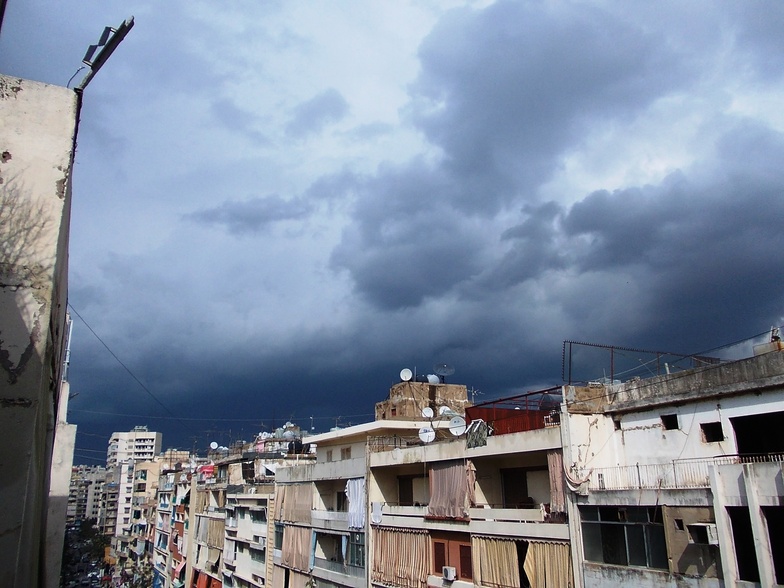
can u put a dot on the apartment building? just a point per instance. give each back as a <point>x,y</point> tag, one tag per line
<point>124,450</point>
<point>230,500</point>
<point>84,493</point>
<point>676,480</point>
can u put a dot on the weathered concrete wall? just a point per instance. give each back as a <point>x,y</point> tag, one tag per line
<point>36,155</point>
<point>753,374</point>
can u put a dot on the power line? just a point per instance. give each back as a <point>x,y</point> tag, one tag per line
<point>127,369</point>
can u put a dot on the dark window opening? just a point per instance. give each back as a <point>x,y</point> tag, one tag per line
<point>669,421</point>
<point>758,433</point>
<point>515,488</point>
<point>743,537</point>
<point>712,432</point>
<point>774,516</point>
<point>617,424</point>
<point>522,551</point>
<point>679,524</point>
<point>626,536</point>
<point>405,491</point>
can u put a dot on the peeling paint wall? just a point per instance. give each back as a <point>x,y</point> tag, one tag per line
<point>37,139</point>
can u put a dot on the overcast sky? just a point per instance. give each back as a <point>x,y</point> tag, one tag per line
<point>278,205</point>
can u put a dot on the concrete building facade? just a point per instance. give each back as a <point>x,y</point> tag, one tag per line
<point>37,141</point>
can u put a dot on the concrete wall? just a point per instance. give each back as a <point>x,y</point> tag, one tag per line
<point>37,138</point>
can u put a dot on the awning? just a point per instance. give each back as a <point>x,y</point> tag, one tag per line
<point>178,569</point>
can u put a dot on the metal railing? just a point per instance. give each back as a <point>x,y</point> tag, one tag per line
<point>678,473</point>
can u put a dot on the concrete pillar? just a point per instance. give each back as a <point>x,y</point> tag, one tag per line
<point>759,527</point>
<point>726,543</point>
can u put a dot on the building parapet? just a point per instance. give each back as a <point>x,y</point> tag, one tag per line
<point>752,374</point>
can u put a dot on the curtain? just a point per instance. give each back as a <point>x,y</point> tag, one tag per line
<point>297,580</point>
<point>495,562</point>
<point>355,492</point>
<point>548,565</point>
<point>235,473</point>
<point>401,558</point>
<point>451,489</point>
<point>295,551</point>
<point>215,531</point>
<point>297,503</point>
<point>280,496</point>
<point>278,577</point>
<point>555,469</point>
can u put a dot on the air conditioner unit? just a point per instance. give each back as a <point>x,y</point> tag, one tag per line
<point>449,573</point>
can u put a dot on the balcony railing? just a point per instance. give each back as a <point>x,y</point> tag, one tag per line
<point>231,523</point>
<point>339,567</point>
<point>679,473</point>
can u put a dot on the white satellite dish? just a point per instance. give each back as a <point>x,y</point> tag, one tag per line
<point>457,426</point>
<point>433,379</point>
<point>427,434</point>
<point>406,375</point>
<point>213,445</point>
<point>427,412</point>
<point>446,411</point>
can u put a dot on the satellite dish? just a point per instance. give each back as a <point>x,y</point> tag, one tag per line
<point>433,379</point>
<point>446,411</point>
<point>457,426</point>
<point>443,369</point>
<point>427,434</point>
<point>427,412</point>
<point>213,445</point>
<point>406,375</point>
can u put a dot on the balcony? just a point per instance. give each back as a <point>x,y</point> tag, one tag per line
<point>339,567</point>
<point>679,473</point>
<point>231,523</point>
<point>329,520</point>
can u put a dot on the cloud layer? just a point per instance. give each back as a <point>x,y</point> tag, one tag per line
<point>279,207</point>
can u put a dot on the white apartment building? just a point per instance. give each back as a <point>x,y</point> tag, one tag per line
<point>676,480</point>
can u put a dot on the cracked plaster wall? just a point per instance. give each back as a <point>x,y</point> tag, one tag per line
<point>37,138</point>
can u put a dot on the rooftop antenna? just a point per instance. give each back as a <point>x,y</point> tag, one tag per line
<point>443,370</point>
<point>109,41</point>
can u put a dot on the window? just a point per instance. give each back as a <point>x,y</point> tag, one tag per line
<point>712,432</point>
<point>258,555</point>
<point>258,516</point>
<point>345,453</point>
<point>356,549</point>
<point>329,455</point>
<point>625,536</point>
<point>341,502</point>
<point>669,421</point>
<point>278,535</point>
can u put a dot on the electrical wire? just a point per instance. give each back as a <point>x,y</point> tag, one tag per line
<point>127,369</point>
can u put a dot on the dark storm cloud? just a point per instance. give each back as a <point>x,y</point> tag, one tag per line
<point>407,243</point>
<point>252,215</point>
<point>505,91</point>
<point>311,116</point>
